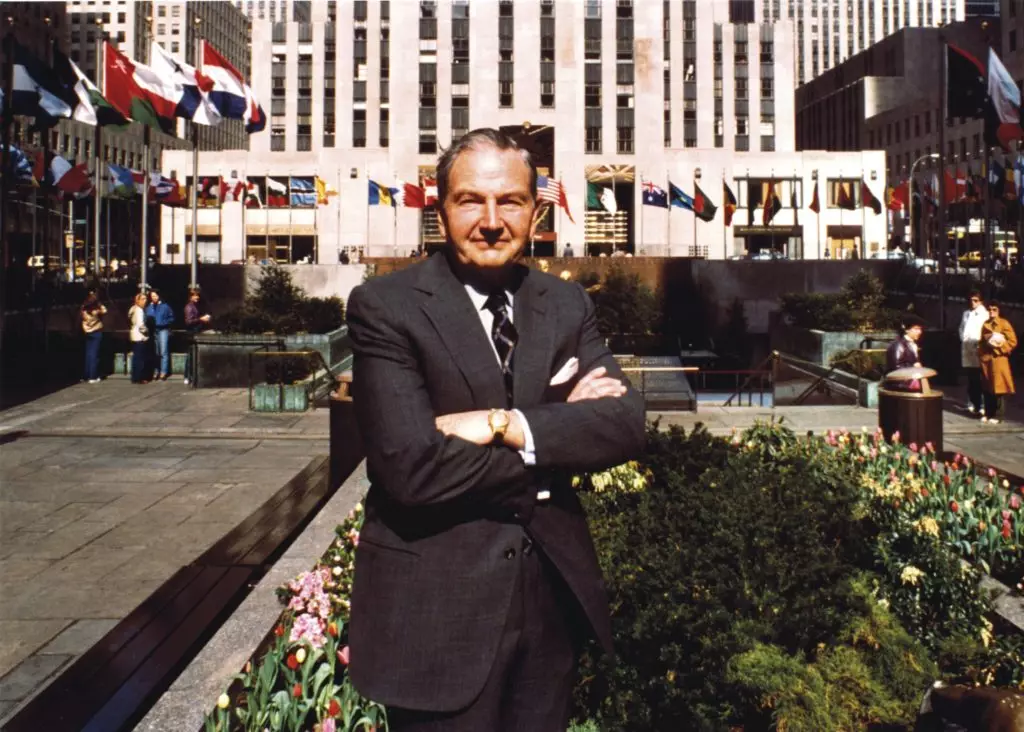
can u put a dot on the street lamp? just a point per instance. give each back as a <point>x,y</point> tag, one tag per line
<point>910,196</point>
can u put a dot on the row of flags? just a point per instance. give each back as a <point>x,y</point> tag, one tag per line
<point>1001,183</point>
<point>986,92</point>
<point>156,94</point>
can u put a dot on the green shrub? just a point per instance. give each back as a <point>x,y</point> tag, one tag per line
<point>867,364</point>
<point>622,302</point>
<point>279,306</point>
<point>857,307</point>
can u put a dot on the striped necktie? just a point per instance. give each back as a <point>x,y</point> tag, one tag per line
<point>504,335</point>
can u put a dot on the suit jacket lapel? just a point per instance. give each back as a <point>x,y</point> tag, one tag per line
<point>532,356</point>
<point>451,312</point>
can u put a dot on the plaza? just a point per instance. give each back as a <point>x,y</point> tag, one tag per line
<point>106,491</point>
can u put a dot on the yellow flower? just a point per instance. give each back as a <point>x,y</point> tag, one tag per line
<point>223,701</point>
<point>300,655</point>
<point>927,525</point>
<point>911,575</point>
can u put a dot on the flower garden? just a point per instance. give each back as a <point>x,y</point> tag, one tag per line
<point>767,581</point>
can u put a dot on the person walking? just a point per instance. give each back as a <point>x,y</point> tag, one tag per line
<point>480,386</point>
<point>138,335</point>
<point>195,322</point>
<point>970,338</point>
<point>161,318</point>
<point>92,325</point>
<point>998,340</point>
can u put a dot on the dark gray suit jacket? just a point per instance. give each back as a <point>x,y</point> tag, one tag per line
<point>433,583</point>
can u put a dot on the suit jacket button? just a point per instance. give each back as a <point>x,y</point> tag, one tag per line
<point>517,516</point>
<point>510,553</point>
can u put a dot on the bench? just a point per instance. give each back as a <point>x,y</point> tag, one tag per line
<point>113,684</point>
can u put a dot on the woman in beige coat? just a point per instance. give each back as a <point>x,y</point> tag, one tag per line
<point>997,342</point>
<point>138,334</point>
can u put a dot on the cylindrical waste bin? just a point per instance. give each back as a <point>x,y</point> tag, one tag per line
<point>915,412</point>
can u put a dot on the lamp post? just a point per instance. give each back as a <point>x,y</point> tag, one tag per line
<point>910,197</point>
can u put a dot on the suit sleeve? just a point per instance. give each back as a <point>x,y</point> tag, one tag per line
<point>414,463</point>
<point>592,434</point>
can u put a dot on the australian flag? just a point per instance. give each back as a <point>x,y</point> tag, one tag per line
<point>654,196</point>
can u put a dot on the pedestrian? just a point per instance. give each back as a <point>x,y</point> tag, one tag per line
<point>138,335</point>
<point>92,325</point>
<point>568,250</point>
<point>971,323</point>
<point>997,343</point>
<point>904,352</point>
<point>196,320</point>
<point>476,580</point>
<point>161,318</point>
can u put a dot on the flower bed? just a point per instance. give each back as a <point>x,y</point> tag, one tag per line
<point>767,581</point>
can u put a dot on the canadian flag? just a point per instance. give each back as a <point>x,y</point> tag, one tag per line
<point>232,190</point>
<point>410,195</point>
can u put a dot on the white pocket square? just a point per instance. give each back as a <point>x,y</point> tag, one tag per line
<point>568,370</point>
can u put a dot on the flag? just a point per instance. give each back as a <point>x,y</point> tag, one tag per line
<point>679,199</point>
<point>303,193</point>
<point>730,203</point>
<point>380,195</point>
<point>229,93</point>
<point>1010,187</point>
<point>961,184</point>
<point>996,180</point>
<point>89,105</point>
<point>772,204</point>
<point>815,201</point>
<point>868,199</point>
<point>20,166</point>
<point>277,194</point>
<point>191,87</point>
<point>430,191</point>
<point>232,190</point>
<point>324,190</point>
<point>653,195</point>
<point>551,190</point>
<point>950,184</point>
<point>594,197</point>
<point>898,197</point>
<point>120,181</point>
<point>67,178</point>
<point>410,195</point>
<point>137,91</point>
<point>37,91</point>
<point>253,199</point>
<point>1002,118</point>
<point>844,196</point>
<point>167,191</point>
<point>966,88</point>
<point>702,205</point>
<point>611,205</point>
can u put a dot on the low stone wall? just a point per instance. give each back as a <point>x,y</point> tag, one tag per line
<point>818,346</point>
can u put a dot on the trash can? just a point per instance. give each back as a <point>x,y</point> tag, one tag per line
<point>915,413</point>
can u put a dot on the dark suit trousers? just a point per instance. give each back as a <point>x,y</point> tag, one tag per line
<point>529,688</point>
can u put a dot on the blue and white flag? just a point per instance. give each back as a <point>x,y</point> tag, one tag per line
<point>189,87</point>
<point>37,92</point>
<point>654,196</point>
<point>229,93</point>
<point>303,192</point>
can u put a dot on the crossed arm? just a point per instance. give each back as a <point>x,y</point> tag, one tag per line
<point>421,459</point>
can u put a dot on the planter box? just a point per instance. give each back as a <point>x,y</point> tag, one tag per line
<point>818,346</point>
<point>866,390</point>
<point>277,398</point>
<point>222,360</point>
<point>123,363</point>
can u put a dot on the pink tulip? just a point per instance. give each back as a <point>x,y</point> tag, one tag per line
<point>913,446</point>
<point>991,472</point>
<point>1006,516</point>
<point>343,656</point>
<point>930,446</point>
<point>1014,502</point>
<point>1007,531</point>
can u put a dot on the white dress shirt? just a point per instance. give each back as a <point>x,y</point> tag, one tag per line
<point>479,299</point>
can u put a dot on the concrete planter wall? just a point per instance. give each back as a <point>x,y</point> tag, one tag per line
<point>277,398</point>
<point>123,363</point>
<point>818,346</point>
<point>223,359</point>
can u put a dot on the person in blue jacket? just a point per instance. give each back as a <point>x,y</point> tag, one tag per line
<point>160,316</point>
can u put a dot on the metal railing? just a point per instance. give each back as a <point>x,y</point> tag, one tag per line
<point>320,372</point>
<point>667,393</point>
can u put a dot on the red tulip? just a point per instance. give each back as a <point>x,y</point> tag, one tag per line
<point>1006,530</point>
<point>946,480</point>
<point>293,662</point>
<point>279,631</point>
<point>332,629</point>
<point>334,709</point>
<point>954,506</point>
<point>297,691</point>
<point>924,492</point>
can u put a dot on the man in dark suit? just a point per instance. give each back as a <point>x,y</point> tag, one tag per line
<point>480,387</point>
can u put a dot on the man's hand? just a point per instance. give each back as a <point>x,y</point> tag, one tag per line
<point>595,385</point>
<point>474,427</point>
<point>204,318</point>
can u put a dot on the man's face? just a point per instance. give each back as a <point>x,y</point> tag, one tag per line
<point>488,212</point>
<point>993,312</point>
<point>914,333</point>
<point>975,302</point>
<point>154,297</point>
<point>194,297</point>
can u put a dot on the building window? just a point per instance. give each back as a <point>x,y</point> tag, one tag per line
<point>592,122</point>
<point>384,127</point>
<point>624,130</point>
<point>428,143</point>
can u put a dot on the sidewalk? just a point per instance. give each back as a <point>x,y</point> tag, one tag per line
<point>132,483</point>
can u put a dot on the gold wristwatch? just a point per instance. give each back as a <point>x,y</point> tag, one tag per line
<point>498,420</point>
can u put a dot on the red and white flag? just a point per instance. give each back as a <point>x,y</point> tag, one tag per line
<point>232,189</point>
<point>429,191</point>
<point>550,190</point>
<point>410,195</point>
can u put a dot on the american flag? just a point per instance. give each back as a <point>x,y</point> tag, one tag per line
<point>550,190</point>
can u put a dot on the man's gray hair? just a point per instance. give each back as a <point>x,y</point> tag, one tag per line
<point>475,139</point>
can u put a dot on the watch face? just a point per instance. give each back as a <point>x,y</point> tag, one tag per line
<point>499,420</point>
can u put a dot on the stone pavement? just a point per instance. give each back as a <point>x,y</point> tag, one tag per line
<point>111,487</point>
<point>133,483</point>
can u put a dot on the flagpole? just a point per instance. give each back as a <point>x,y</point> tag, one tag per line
<point>558,234</point>
<point>366,175</point>
<point>641,216</point>
<point>97,181</point>
<point>615,196</point>
<point>863,219</point>
<point>943,64</point>
<point>5,158</point>
<point>337,235</point>
<point>394,226</point>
